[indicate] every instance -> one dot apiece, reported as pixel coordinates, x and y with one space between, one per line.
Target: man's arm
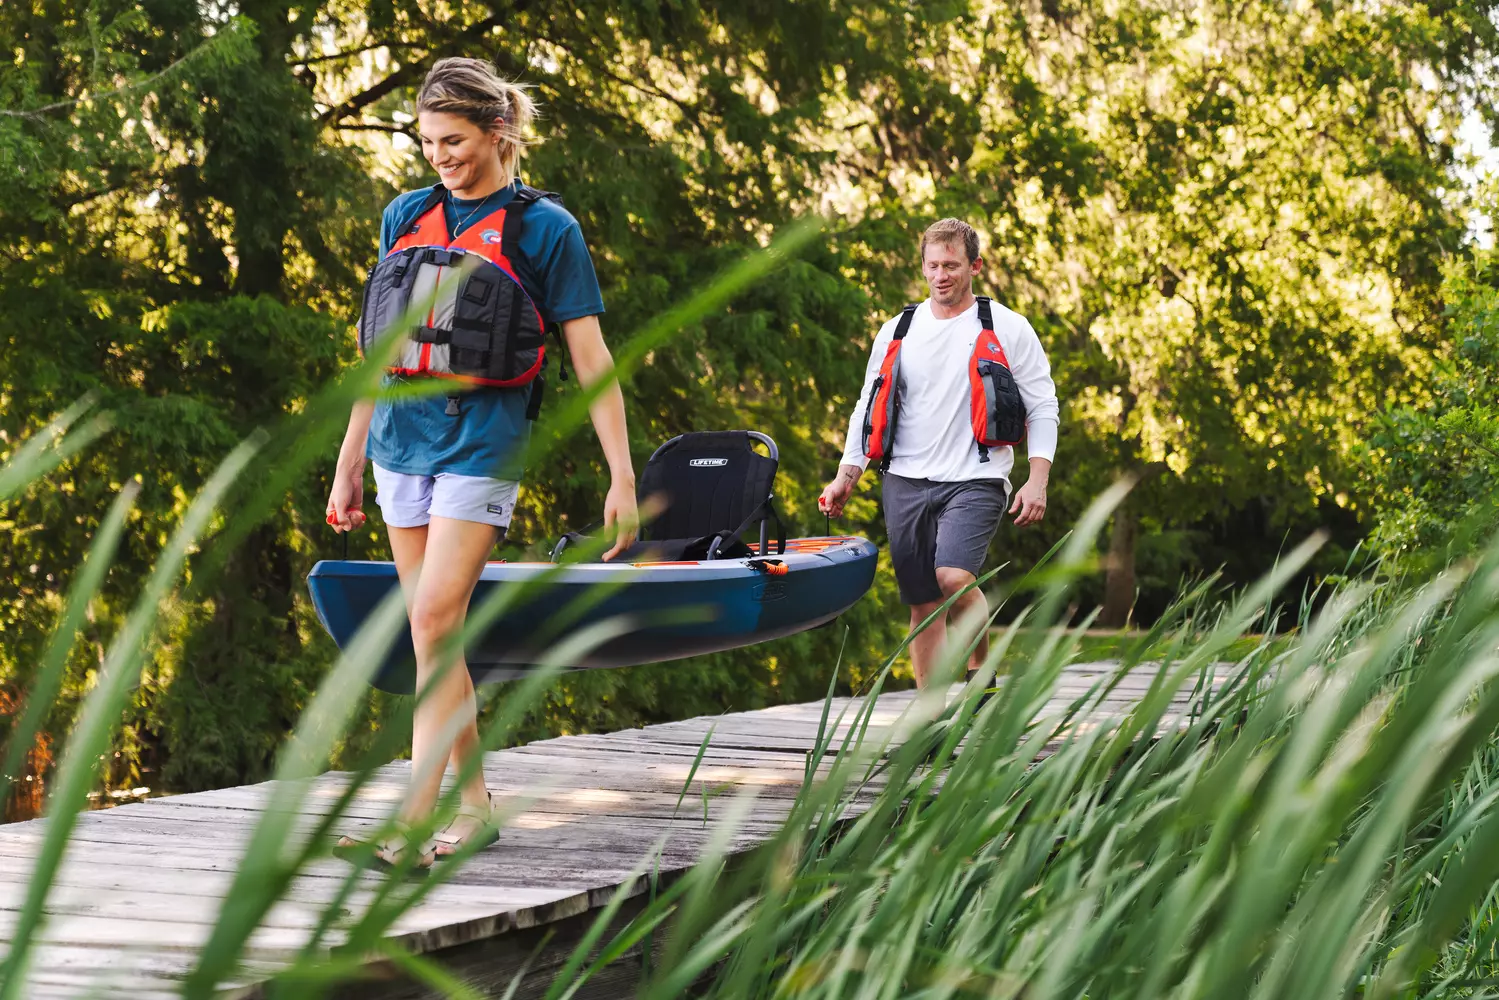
1030 500
851 467
1032 371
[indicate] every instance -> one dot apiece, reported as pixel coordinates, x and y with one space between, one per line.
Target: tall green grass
1318 820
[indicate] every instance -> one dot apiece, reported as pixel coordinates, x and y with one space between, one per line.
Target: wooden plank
141 885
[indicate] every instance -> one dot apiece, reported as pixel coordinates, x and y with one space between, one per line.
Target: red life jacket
883 405
482 327
996 411
994 404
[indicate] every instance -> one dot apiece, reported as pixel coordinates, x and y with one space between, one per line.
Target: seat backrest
710 481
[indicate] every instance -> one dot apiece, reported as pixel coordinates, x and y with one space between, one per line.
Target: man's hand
836 493
1030 500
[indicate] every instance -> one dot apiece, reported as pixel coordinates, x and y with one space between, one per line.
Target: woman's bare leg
437 603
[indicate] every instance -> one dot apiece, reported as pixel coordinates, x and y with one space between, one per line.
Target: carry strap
762 509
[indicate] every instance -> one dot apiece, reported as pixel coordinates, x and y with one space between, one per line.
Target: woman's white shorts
408 501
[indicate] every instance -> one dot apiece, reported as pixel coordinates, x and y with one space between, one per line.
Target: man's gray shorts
933 524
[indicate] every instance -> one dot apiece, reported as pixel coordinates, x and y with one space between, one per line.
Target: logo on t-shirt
490 236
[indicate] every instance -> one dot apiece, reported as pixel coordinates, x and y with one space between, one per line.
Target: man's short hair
952 231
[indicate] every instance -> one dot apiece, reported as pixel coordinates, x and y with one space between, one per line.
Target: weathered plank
142 885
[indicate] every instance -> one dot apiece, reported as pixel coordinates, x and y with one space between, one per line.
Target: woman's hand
346 498
347 495
621 515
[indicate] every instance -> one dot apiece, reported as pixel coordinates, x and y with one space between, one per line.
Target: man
944 490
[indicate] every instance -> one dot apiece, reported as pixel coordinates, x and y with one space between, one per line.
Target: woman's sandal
447 842
390 852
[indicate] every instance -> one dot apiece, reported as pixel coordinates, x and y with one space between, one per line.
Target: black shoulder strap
434 198
904 326
986 314
510 230
515 214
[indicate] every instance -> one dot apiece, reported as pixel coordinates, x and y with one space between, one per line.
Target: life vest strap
903 325
442 257
986 314
538 390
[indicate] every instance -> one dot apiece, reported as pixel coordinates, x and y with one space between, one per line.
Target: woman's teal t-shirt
489 435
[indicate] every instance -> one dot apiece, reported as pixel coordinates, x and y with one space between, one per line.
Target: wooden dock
142 884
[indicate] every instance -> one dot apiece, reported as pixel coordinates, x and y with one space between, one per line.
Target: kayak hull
650 611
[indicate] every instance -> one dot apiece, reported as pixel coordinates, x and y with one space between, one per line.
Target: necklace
471 212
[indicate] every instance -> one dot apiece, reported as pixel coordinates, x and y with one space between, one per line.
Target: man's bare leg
952 580
927 647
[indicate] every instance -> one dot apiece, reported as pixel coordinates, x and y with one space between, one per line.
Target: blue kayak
671 609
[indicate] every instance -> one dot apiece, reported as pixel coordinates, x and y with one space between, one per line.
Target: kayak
663 610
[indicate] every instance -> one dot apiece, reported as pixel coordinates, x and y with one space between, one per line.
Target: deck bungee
671 609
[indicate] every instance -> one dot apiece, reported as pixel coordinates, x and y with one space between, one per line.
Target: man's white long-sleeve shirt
933 434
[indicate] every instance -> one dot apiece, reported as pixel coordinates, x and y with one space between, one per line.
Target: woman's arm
592 362
346 499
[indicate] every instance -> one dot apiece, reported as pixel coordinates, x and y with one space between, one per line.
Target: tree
1433 471
1227 219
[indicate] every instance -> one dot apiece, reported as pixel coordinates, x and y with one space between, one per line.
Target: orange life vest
994 404
883 404
996 410
482 327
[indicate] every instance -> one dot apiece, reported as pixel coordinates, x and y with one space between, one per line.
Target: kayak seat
705 489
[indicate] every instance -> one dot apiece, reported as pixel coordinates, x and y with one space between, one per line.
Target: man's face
948 272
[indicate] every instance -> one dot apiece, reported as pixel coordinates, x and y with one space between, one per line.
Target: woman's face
465 156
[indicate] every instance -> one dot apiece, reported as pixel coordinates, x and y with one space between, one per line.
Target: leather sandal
447 842
391 852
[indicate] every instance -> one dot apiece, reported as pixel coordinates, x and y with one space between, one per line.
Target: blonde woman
446 465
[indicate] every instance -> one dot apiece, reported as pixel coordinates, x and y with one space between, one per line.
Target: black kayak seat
705 488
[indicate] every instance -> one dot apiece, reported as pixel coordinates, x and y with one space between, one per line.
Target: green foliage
1222 218
1434 470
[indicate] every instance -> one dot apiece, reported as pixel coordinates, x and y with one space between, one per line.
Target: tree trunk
1119 581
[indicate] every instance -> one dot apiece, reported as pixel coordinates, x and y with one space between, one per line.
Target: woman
447 465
